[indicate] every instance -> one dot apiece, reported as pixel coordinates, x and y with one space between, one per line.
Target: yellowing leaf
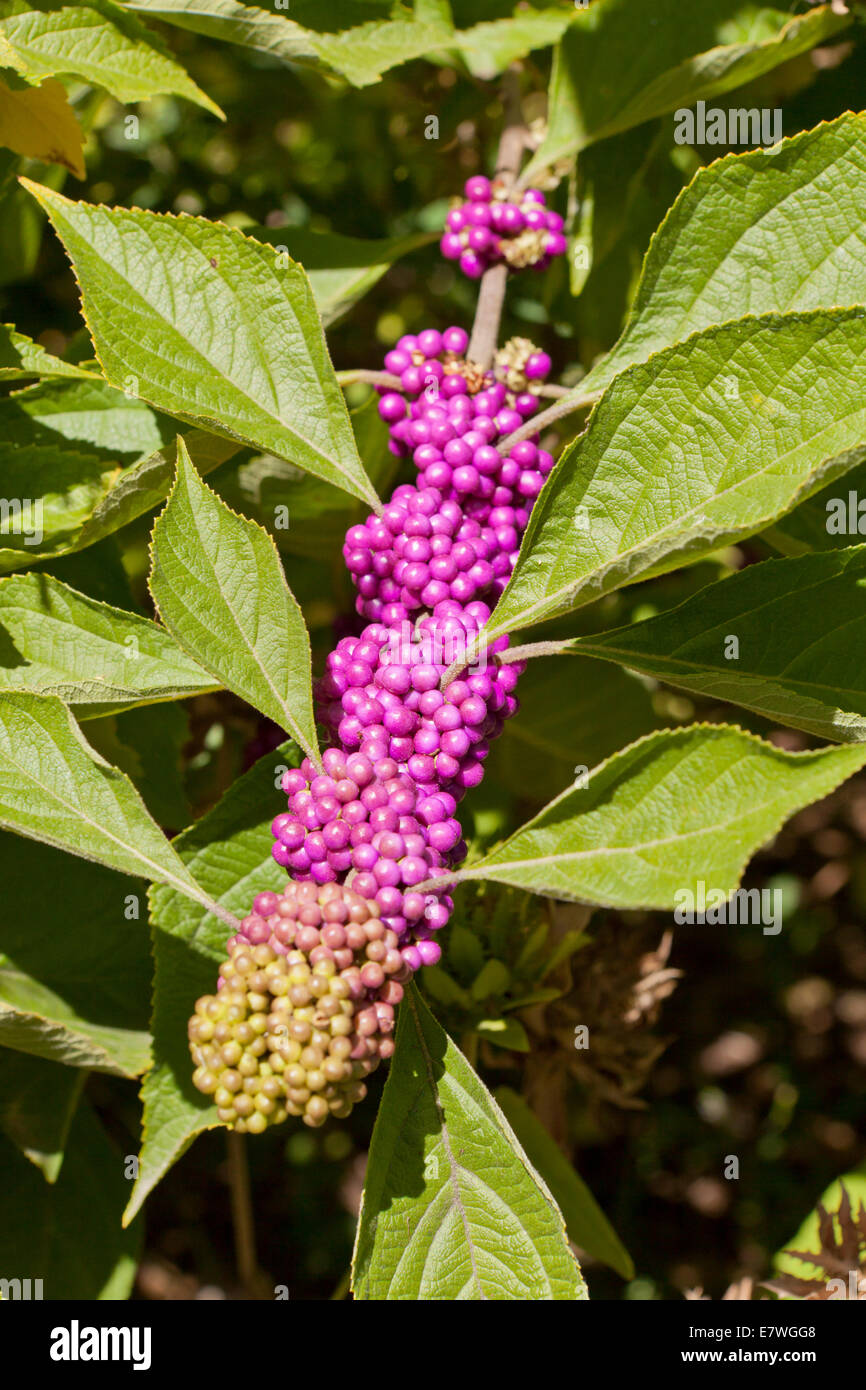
39 122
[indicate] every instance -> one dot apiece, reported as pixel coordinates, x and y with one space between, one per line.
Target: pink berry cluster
421 552
491 226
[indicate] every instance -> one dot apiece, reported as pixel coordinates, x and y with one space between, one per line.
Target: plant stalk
243 1220
443 881
491 297
567 406
551 389
366 374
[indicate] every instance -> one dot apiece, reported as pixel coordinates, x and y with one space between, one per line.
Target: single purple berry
430 342
512 220
451 246
472 265
538 365
455 340
555 244
477 189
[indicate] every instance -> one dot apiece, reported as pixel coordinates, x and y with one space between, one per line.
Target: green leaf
98 573
586 1223
22 222
465 952
227 20
825 521
452 1207
624 186
563 950
503 1032
141 487
818 686
706 443
37 1102
221 592
229 853
212 327
433 11
755 233
51 492
609 74
94 41
538 996
39 1021
341 269
65 444
56 789
444 989
490 48
68 1234
533 948
493 978
572 714
364 53
98 659
88 414
359 52
21 357
675 809
83 500
82 997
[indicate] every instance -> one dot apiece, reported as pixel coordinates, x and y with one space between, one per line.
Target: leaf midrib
453 1166
642 847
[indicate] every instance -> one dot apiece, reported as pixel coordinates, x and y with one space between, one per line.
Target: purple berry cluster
384 809
443 397
367 816
491 227
381 694
455 535
370 839
421 552
381 815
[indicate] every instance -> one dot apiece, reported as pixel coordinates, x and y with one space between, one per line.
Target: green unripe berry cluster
301 1019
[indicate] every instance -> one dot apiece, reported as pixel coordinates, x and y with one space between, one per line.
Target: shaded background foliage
758 1048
